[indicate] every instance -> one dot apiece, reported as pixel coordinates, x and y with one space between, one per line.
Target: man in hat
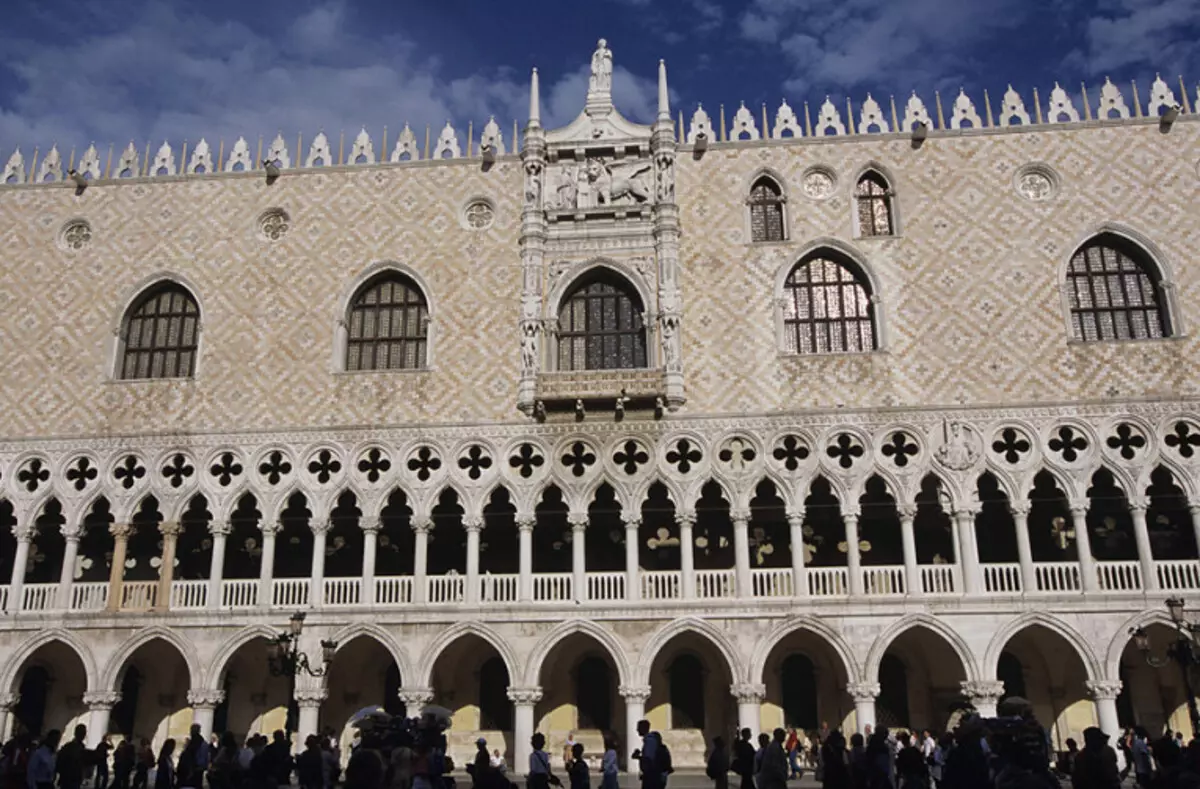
1096 765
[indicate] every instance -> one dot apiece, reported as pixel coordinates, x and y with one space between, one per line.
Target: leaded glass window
387 328
827 308
1114 295
766 211
874 201
160 334
600 327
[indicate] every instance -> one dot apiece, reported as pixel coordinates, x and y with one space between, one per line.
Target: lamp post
284 658
1185 652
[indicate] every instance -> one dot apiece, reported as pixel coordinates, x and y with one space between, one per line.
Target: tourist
40 772
654 760
331 763
578 769
608 764
100 757
400 765
718 765
1095 767
539 776
568 750
912 769
310 769
123 759
164 777
16 761
937 762
857 761
792 747
144 762
365 769
773 769
879 759
743 760
480 769
832 761
1143 765
223 772
72 759
497 762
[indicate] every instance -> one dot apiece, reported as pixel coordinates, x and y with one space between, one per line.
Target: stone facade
976 375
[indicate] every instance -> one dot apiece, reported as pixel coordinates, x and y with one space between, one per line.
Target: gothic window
1113 290
387 328
766 211
600 327
873 198
827 307
160 334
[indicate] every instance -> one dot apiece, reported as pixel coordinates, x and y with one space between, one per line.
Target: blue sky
148 70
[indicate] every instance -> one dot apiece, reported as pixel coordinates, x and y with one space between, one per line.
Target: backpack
662 759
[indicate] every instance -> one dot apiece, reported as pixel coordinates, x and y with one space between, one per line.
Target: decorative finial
535 101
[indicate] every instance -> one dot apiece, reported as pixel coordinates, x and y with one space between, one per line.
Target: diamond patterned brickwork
969 289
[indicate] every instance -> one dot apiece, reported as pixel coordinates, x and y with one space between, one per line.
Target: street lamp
284 657
1185 652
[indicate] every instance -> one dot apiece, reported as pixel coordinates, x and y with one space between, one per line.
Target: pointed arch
383 321
225 653
157 332
382 637
448 636
8 680
911 621
766 206
109 679
1116 647
586 627
706 630
1006 632
1116 285
811 624
874 203
599 319
824 271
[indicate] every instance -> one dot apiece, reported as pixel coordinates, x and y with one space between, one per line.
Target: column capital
415 697
1079 508
72 533
269 528
310 697
169 529
966 513
9 700
796 517
748 692
205 698
1104 689
907 512
632 520
525 696
472 523
320 525
421 523
1138 505
527 520
1020 508
987 691
577 519
686 519
638 693
369 524
863 691
220 528
739 515
101 699
852 510
1194 508
119 531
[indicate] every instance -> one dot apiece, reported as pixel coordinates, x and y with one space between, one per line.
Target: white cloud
173 73
1158 34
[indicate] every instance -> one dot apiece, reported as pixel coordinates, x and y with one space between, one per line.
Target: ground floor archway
690 700
1053 679
920 678
51 684
1153 697
579 681
471 679
805 681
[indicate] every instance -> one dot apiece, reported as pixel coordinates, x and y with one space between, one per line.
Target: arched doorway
470 679
920 679
579 681
690 701
157 679
1053 675
805 680
51 683
363 673
1154 697
255 701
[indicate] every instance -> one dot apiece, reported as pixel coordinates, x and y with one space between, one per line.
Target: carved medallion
818 183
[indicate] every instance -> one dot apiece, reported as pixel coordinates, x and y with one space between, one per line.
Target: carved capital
320 525
851 512
473 523
907 512
9 700
205 698
72 533
739 515
748 692
422 524
1138 505
526 521
525 696
796 517
1079 509
269 528
635 693
863 691
169 529
1104 689
1020 508
310 697
578 520
220 528
119 531
632 520
415 697
369 523
101 699
685 519
986 691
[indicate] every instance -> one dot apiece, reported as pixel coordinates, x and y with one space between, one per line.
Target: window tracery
766 211
873 198
1114 294
387 327
160 334
827 307
601 327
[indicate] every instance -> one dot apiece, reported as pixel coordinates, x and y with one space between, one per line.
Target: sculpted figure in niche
666 179
533 184
601 79
958 450
529 345
567 187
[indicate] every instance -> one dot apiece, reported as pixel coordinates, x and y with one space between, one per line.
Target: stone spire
535 102
664 105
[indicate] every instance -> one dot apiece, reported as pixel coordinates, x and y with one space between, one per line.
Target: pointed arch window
873 198
827 307
1114 291
388 325
160 334
600 326
766 211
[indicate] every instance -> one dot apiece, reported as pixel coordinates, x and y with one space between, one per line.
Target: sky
114 71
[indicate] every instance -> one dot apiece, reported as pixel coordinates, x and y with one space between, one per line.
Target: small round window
76 235
274 224
479 215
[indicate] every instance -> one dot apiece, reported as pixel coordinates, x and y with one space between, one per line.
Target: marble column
908 540
741 552
66 577
204 703
984 695
633 580
316 580
266 565
473 525
524 703
687 555
8 702
220 531
1083 541
1137 510
16 586
1194 509
99 705
370 528
749 697
795 520
1104 695
1020 515
635 697
309 701
864 695
525 524
853 558
421 524
116 577
415 700
964 520
579 524
166 568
